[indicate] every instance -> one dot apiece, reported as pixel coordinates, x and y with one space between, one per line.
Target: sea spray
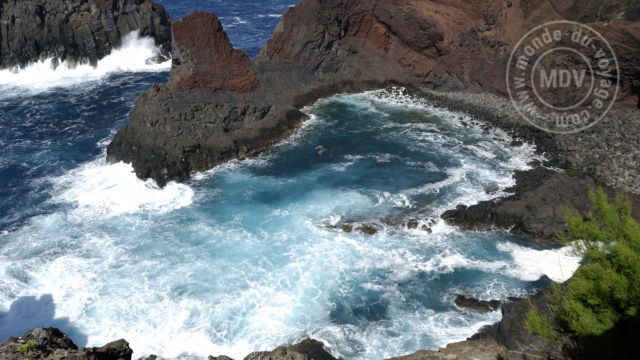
134 55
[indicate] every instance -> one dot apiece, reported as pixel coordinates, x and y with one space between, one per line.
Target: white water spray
137 54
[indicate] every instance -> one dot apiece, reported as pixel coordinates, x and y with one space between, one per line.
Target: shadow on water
30 312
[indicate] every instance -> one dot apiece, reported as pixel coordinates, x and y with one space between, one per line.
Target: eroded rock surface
481 349
308 349
52 344
75 30
214 108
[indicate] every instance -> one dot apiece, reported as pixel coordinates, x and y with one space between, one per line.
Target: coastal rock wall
218 105
75 30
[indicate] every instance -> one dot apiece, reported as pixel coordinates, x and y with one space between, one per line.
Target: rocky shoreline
600 156
219 105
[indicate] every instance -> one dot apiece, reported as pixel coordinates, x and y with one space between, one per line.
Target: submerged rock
348 227
75 30
481 306
51 343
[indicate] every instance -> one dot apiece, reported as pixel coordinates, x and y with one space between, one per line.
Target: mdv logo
562 78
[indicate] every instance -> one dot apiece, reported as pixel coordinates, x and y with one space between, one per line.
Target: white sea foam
137 54
100 189
530 264
527 264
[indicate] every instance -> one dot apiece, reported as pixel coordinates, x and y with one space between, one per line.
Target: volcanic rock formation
218 105
75 30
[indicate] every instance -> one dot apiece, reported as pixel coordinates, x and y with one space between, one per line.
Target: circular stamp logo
563 77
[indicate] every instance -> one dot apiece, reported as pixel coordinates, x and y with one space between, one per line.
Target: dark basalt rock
52 344
537 209
363 228
75 30
308 349
481 306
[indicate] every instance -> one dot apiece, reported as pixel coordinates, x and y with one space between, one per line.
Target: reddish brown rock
205 58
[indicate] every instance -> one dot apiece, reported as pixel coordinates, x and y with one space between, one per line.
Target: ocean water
252 254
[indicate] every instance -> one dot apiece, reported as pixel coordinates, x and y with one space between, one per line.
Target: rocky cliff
75 30
218 105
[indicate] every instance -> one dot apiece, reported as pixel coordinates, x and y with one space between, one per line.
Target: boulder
480 306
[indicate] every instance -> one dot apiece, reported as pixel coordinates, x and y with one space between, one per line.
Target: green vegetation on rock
574 172
606 288
27 347
540 325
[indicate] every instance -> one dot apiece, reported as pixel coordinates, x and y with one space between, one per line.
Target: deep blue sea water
251 255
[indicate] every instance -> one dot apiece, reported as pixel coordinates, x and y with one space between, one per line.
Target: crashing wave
136 54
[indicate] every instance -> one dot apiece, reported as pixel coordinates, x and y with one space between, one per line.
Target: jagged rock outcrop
52 344
214 108
205 60
75 30
220 107
308 349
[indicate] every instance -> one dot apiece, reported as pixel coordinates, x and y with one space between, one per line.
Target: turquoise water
253 254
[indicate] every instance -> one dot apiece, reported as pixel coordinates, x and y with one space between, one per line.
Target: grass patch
573 172
27 347
540 325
